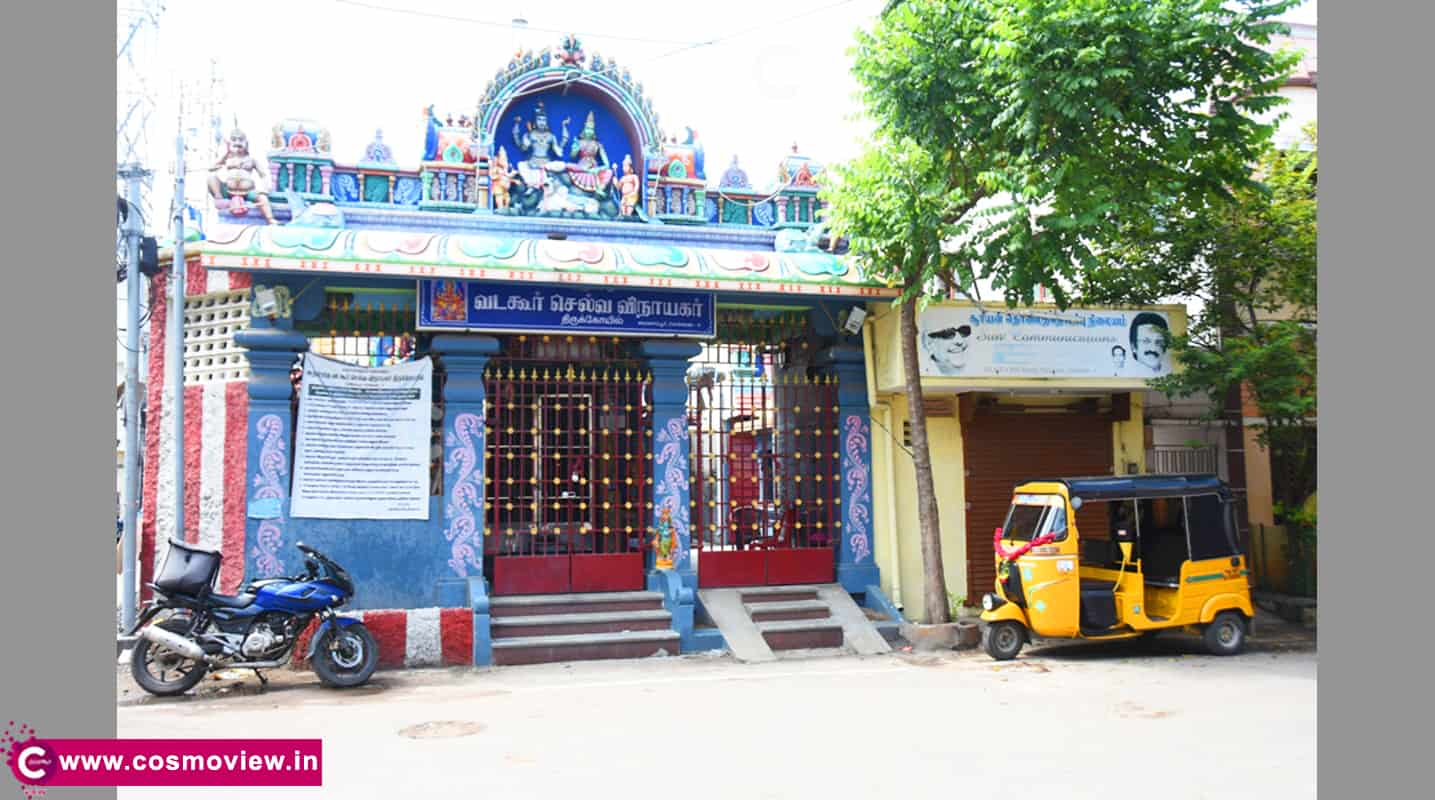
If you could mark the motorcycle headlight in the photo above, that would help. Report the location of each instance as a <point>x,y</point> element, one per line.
<point>988,602</point>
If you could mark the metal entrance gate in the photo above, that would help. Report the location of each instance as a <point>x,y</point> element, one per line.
<point>567,459</point>
<point>765,468</point>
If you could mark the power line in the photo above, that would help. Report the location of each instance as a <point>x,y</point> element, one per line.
<point>509,25</point>
<point>745,31</point>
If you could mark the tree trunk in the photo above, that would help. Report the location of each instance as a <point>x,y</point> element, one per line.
<point>934,580</point>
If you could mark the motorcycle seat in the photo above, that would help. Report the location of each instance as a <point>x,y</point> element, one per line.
<point>231,601</point>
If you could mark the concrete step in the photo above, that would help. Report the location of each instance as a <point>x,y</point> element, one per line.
<point>531,605</point>
<point>787,610</point>
<point>573,624</point>
<point>584,647</point>
<point>777,594</point>
<point>859,634</point>
<point>801,634</point>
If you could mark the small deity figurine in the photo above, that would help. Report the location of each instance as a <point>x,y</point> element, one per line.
<point>500,178</point>
<point>665,540</point>
<point>538,140</point>
<point>430,134</point>
<point>238,176</point>
<point>628,187</point>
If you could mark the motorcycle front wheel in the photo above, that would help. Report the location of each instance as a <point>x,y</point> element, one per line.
<point>163,672</point>
<point>346,656</point>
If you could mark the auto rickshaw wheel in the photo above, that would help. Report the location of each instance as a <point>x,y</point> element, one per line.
<point>1003,640</point>
<point>1226,635</point>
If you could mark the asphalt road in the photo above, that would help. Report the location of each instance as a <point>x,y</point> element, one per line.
<point>1063,721</point>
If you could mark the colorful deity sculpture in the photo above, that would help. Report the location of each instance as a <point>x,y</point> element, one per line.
<point>500,178</point>
<point>628,188</point>
<point>588,161</point>
<point>538,140</point>
<point>238,178</point>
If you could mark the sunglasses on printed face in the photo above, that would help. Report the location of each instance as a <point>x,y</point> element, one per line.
<point>948,333</point>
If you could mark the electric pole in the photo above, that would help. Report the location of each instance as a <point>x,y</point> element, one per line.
<point>174,337</point>
<point>134,178</point>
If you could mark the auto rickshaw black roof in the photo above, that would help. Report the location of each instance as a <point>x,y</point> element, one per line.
<point>1133,487</point>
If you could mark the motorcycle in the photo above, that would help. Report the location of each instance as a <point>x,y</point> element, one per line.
<point>189,629</point>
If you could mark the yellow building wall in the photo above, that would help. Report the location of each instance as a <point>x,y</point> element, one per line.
<point>896,511</point>
<point>1260,494</point>
<point>1128,439</point>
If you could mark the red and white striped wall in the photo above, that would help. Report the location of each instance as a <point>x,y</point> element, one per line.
<point>198,280</point>
<point>418,637</point>
<point>216,419</point>
<point>215,449</point>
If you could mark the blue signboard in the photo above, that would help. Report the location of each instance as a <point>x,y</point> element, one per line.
<point>479,306</point>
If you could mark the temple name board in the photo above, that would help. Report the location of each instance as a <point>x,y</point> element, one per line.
<point>482,306</point>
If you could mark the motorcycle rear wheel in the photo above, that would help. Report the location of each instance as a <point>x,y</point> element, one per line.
<point>152,665</point>
<point>346,656</point>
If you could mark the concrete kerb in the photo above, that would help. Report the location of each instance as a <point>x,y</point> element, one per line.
<point>962,634</point>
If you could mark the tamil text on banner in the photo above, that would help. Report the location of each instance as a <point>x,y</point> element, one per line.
<point>970,342</point>
<point>362,448</point>
<point>476,306</point>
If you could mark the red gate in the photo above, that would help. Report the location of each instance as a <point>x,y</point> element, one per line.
<point>765,469</point>
<point>567,466</point>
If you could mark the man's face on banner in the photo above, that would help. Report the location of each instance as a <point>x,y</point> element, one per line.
<point>1150,346</point>
<point>948,345</point>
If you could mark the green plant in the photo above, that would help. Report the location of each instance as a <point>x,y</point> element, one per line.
<point>955,602</point>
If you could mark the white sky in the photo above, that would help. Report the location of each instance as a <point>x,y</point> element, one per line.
<point>358,65</point>
<point>354,68</point>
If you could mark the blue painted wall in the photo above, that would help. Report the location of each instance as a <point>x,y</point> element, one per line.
<point>394,563</point>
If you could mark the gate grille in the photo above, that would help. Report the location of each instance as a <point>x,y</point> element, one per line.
<point>567,465</point>
<point>765,467</point>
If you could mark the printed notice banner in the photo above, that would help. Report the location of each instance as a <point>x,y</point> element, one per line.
<point>967,342</point>
<point>362,450</point>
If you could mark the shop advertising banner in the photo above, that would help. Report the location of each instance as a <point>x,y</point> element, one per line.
<point>477,306</point>
<point>362,449</point>
<point>970,342</point>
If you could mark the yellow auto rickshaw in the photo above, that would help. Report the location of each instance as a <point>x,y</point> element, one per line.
<point>1118,557</point>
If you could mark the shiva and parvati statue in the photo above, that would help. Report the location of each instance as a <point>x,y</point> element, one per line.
<point>237,178</point>
<point>560,177</point>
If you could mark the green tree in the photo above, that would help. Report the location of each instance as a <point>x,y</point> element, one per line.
<point>1251,265</point>
<point>1017,139</point>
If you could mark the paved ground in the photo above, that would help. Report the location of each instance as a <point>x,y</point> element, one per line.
<point>1069,721</point>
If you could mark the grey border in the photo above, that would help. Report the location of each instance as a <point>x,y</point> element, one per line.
<point>57,575</point>
<point>1375,398</point>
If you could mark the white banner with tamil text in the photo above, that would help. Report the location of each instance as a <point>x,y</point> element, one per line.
<point>362,449</point>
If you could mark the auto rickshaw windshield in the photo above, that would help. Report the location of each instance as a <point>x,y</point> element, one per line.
<point>1033,515</point>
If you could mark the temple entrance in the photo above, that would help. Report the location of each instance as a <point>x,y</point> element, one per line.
<point>567,466</point>
<point>765,475</point>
